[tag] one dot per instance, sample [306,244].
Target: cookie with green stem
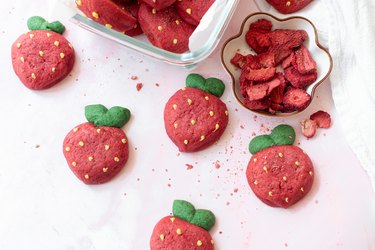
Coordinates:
[194,116]
[186,229]
[97,150]
[42,57]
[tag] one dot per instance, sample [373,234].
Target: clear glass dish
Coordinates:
[139,43]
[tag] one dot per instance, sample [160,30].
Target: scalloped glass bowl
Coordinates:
[238,44]
[140,43]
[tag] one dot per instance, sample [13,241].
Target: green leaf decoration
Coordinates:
[183,210]
[260,142]
[204,219]
[101,116]
[283,135]
[39,23]
[210,85]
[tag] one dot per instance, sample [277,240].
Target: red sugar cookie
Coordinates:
[192,11]
[288,6]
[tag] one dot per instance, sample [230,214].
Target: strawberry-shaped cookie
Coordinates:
[194,116]
[42,57]
[279,173]
[98,149]
[186,229]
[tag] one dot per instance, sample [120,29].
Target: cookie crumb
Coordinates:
[188,166]
[134,77]
[139,86]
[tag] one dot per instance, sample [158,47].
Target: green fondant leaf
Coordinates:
[210,85]
[283,134]
[183,210]
[204,219]
[101,116]
[260,142]
[39,23]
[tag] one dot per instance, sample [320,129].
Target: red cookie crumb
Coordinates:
[139,86]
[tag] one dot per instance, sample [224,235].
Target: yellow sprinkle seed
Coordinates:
[286,199]
[56,43]
[162,237]
[173,219]
[174,106]
[154,1]
[79,2]
[67,149]
[217,126]
[153,11]
[265,169]
[31,35]
[81,143]
[270,193]
[211,113]
[287,3]
[53,69]
[22,59]
[175,125]
[18,45]
[49,34]
[74,163]
[91,158]
[160,28]
[116,159]
[109,26]
[186,142]
[98,130]
[284,178]
[199,243]
[189,101]
[188,10]
[175,41]
[106,147]
[297,163]
[62,55]
[202,138]
[105,170]
[177,22]
[87,176]
[179,231]
[193,122]
[183,89]
[75,129]
[280,155]
[311,173]
[33,76]
[41,53]
[255,182]
[255,160]
[212,242]
[70,45]
[123,140]
[95,14]
[206,98]
[302,189]
[226,112]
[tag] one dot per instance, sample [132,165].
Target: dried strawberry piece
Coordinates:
[303,61]
[296,99]
[261,90]
[277,94]
[238,60]
[322,119]
[258,40]
[262,74]
[261,24]
[287,61]
[299,80]
[289,39]
[258,104]
[267,59]
[244,84]
[275,107]
[308,128]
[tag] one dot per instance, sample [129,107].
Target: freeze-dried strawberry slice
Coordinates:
[262,74]
[262,104]
[303,61]
[296,99]
[288,61]
[261,90]
[277,94]
[308,128]
[322,119]
[299,80]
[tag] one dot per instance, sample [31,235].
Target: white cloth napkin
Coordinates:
[347,28]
